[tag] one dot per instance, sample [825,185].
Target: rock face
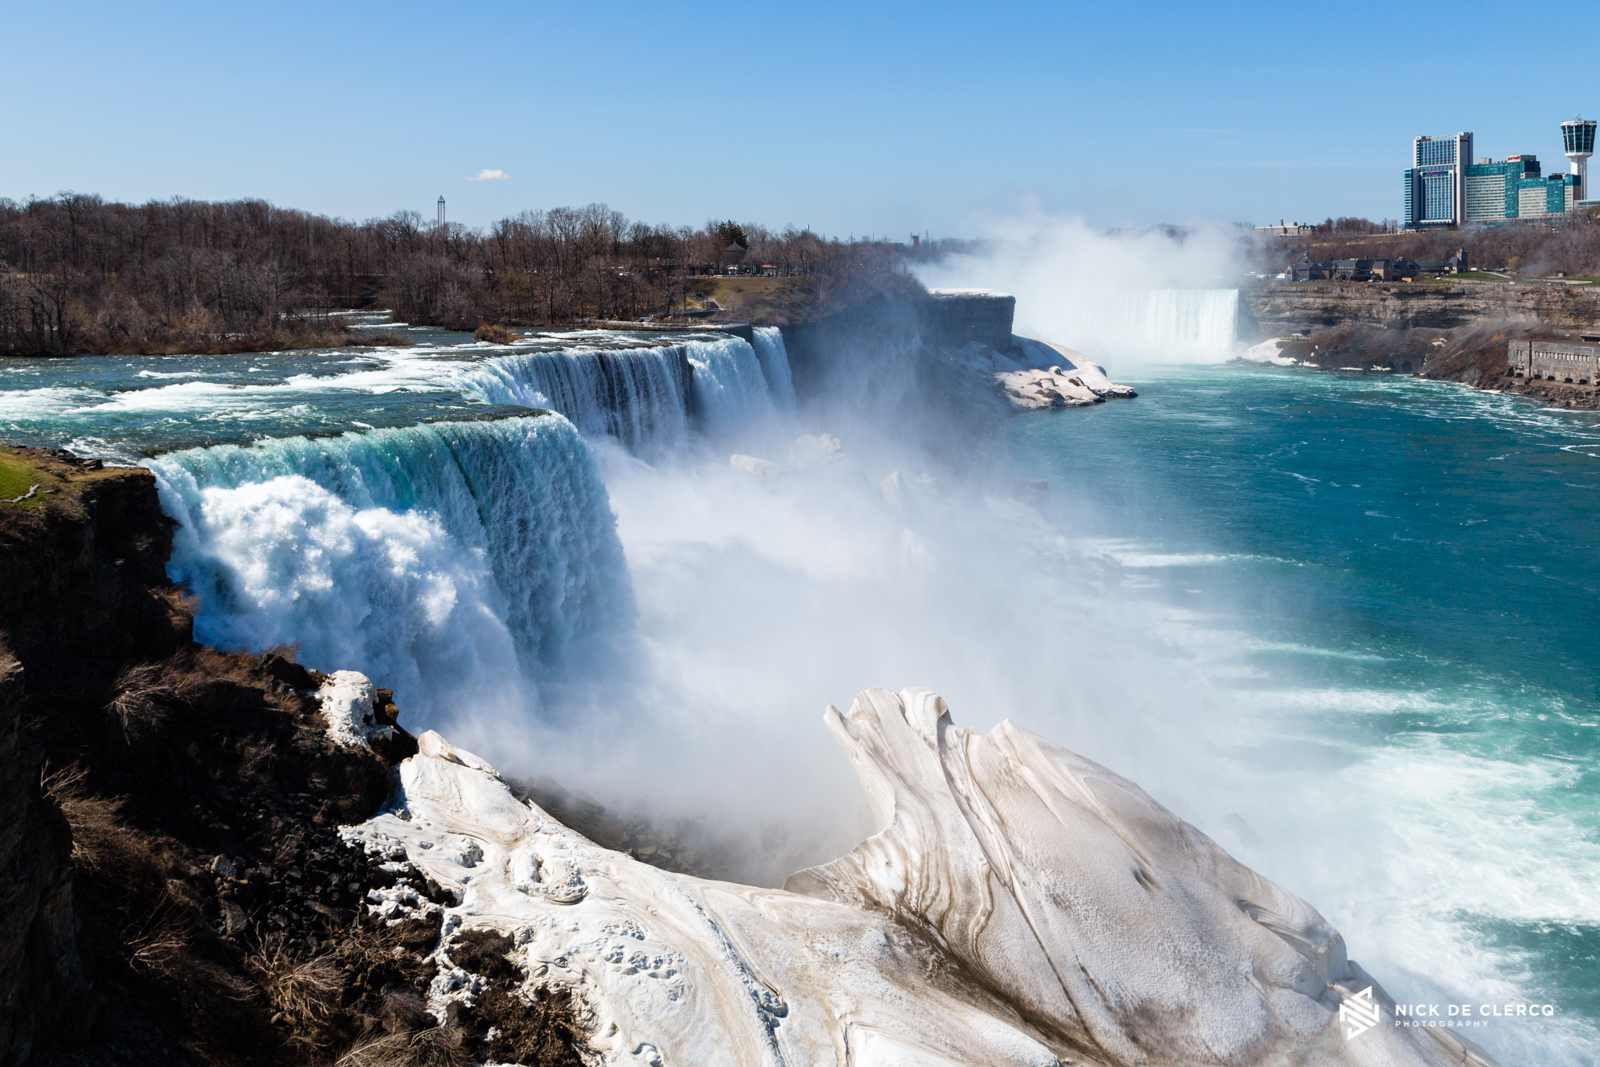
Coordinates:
[168,814]
[1283,309]
[78,559]
[1021,905]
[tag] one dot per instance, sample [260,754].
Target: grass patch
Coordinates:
[760,300]
[15,478]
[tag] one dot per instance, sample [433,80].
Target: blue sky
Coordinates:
[863,117]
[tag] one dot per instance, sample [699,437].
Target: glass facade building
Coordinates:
[1435,191]
[1445,186]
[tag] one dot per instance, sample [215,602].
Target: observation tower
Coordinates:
[1577,137]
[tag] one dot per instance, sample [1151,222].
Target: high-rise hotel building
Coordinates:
[1446,186]
[1434,185]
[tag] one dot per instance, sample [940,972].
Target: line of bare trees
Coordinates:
[78,274]
[1569,244]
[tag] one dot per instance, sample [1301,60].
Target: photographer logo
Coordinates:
[1359,1013]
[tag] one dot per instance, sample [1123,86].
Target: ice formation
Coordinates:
[347,699]
[1020,906]
[1040,374]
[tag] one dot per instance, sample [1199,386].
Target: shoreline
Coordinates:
[1474,355]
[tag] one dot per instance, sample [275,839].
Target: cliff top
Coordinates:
[32,479]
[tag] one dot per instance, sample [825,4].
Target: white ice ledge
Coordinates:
[1021,906]
[348,703]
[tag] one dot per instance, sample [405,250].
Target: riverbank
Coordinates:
[1475,356]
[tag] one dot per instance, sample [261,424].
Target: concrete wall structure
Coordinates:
[1556,361]
[953,317]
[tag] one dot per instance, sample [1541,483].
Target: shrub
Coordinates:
[494,333]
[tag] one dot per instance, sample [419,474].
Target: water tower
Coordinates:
[1577,136]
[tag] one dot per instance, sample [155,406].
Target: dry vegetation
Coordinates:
[78,274]
[1571,245]
[258,951]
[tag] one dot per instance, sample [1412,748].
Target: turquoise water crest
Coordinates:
[1403,575]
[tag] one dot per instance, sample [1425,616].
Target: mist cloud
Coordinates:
[1155,295]
[490,174]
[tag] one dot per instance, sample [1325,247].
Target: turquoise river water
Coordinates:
[1403,578]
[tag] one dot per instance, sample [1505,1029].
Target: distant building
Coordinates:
[1556,361]
[1296,229]
[1371,270]
[1577,140]
[441,211]
[1442,188]
[1435,194]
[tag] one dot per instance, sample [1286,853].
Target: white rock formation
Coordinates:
[1021,905]
[347,699]
[1053,387]
[1038,374]
[762,470]
[1073,364]
[1268,352]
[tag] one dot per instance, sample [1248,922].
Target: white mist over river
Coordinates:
[1157,296]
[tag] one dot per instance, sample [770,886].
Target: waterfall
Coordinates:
[639,396]
[729,386]
[1159,325]
[774,359]
[463,563]
[647,398]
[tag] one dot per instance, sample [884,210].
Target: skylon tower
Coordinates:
[1577,137]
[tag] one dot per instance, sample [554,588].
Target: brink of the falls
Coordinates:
[1021,905]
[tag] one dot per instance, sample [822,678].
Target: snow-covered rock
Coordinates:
[1073,364]
[1054,387]
[1039,374]
[762,470]
[348,703]
[1020,906]
[1268,352]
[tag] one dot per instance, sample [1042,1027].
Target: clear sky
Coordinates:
[860,117]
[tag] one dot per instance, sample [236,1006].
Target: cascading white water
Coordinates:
[638,396]
[647,397]
[729,386]
[1156,325]
[465,563]
[774,359]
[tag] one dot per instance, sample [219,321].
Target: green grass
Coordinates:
[14,479]
[17,478]
[1479,276]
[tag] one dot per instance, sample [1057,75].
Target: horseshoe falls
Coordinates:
[1151,325]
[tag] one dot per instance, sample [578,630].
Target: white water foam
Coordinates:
[774,357]
[1155,325]
[729,386]
[465,563]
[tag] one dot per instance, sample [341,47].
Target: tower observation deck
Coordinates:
[1577,137]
